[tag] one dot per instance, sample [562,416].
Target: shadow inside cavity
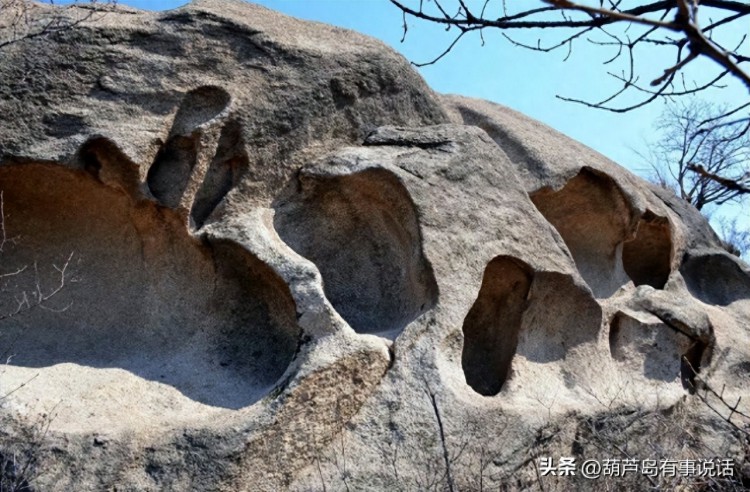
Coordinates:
[362,232]
[140,294]
[650,348]
[593,217]
[716,278]
[518,313]
[491,328]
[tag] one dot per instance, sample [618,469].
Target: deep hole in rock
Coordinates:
[226,169]
[140,294]
[593,218]
[169,175]
[103,159]
[90,162]
[491,328]
[716,278]
[647,258]
[690,365]
[362,232]
[614,335]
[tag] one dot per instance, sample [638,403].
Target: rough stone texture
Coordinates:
[246,252]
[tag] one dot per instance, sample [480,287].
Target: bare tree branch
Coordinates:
[444,446]
[729,184]
[21,20]
[37,295]
[668,24]
[704,160]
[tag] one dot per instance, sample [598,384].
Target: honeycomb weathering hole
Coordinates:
[595,220]
[141,295]
[657,351]
[647,258]
[561,315]
[492,326]
[169,175]
[199,106]
[362,232]
[227,167]
[652,349]
[701,274]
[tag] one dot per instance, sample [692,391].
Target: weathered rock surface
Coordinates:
[246,252]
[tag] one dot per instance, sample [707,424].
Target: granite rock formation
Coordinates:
[245,252]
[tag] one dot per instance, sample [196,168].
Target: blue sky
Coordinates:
[512,76]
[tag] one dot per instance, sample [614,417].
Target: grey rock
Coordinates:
[245,252]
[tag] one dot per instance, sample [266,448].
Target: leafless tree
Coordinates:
[688,157]
[736,237]
[625,28]
[740,186]
[26,19]
[706,165]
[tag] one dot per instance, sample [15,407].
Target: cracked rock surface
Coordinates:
[245,252]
